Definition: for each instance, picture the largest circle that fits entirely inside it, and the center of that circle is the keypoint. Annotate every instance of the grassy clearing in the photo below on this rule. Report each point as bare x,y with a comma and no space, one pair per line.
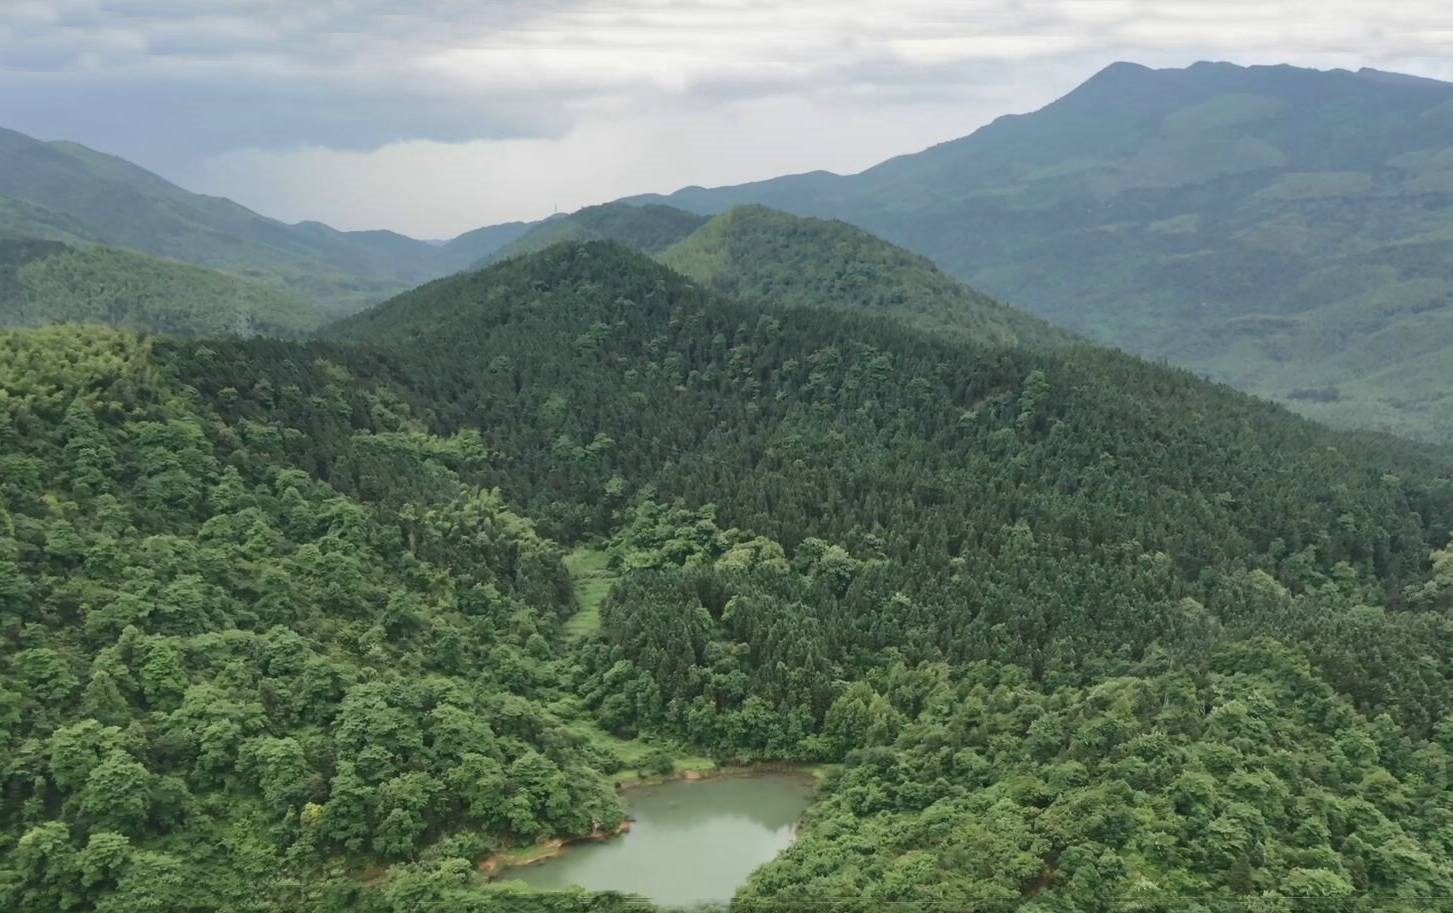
592,578
634,752
822,771
526,855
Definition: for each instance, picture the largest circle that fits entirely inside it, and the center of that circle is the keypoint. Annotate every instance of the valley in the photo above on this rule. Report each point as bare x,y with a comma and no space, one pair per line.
312,594
749,549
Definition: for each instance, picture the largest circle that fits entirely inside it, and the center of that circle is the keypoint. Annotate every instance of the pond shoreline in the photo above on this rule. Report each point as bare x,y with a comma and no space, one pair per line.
493,865
496,864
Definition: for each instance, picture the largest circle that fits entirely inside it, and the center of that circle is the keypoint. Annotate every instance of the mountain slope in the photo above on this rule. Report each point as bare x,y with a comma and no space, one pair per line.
646,228
44,282
120,204
752,253
21,221
472,247
1256,224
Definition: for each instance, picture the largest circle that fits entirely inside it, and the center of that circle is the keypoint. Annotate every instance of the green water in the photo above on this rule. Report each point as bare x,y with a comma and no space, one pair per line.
689,842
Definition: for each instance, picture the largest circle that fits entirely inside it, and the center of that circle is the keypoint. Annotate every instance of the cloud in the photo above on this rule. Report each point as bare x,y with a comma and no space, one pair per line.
155,118
246,95
360,74
432,189
173,79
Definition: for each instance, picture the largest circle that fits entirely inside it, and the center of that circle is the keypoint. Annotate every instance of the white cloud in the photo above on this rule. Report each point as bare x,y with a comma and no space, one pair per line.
378,112
435,189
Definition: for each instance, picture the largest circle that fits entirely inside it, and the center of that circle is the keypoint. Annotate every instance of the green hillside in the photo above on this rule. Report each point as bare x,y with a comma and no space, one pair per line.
285,626
947,525
752,253
21,221
1280,229
64,191
646,228
44,282
490,345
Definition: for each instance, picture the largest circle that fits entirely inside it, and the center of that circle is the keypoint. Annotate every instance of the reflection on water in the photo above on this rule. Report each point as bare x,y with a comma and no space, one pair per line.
690,842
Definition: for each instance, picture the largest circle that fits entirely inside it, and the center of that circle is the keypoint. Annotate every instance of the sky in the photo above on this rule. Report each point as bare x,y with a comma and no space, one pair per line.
432,117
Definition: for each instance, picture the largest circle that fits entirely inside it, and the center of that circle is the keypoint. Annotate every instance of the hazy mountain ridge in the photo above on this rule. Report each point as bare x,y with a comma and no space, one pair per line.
66,191
1283,230
648,228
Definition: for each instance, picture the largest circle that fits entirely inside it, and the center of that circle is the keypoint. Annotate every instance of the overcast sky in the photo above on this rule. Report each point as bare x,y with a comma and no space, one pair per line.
435,116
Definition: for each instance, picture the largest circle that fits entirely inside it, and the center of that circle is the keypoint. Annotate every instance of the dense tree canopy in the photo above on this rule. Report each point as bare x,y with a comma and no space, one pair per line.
282,622
752,253
44,282
217,667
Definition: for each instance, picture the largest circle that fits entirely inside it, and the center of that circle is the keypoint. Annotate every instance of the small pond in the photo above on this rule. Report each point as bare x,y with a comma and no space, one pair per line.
689,842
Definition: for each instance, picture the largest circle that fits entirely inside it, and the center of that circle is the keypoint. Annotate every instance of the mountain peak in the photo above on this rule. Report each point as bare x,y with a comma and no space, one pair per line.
1121,69
572,274
1225,75
756,253
1125,72
1403,79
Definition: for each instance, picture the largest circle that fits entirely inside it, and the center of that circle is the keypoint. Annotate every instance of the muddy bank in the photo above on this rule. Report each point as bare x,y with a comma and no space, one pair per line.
543,851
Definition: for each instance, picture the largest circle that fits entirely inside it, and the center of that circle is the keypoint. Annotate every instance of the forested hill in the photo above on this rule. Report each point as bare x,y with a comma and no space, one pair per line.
1282,229
594,371
226,686
548,352
1022,559
752,253
43,282
646,228
281,624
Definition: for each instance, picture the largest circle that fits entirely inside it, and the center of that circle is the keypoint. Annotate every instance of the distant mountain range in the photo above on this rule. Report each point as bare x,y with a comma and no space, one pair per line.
358,621
1287,231
66,192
